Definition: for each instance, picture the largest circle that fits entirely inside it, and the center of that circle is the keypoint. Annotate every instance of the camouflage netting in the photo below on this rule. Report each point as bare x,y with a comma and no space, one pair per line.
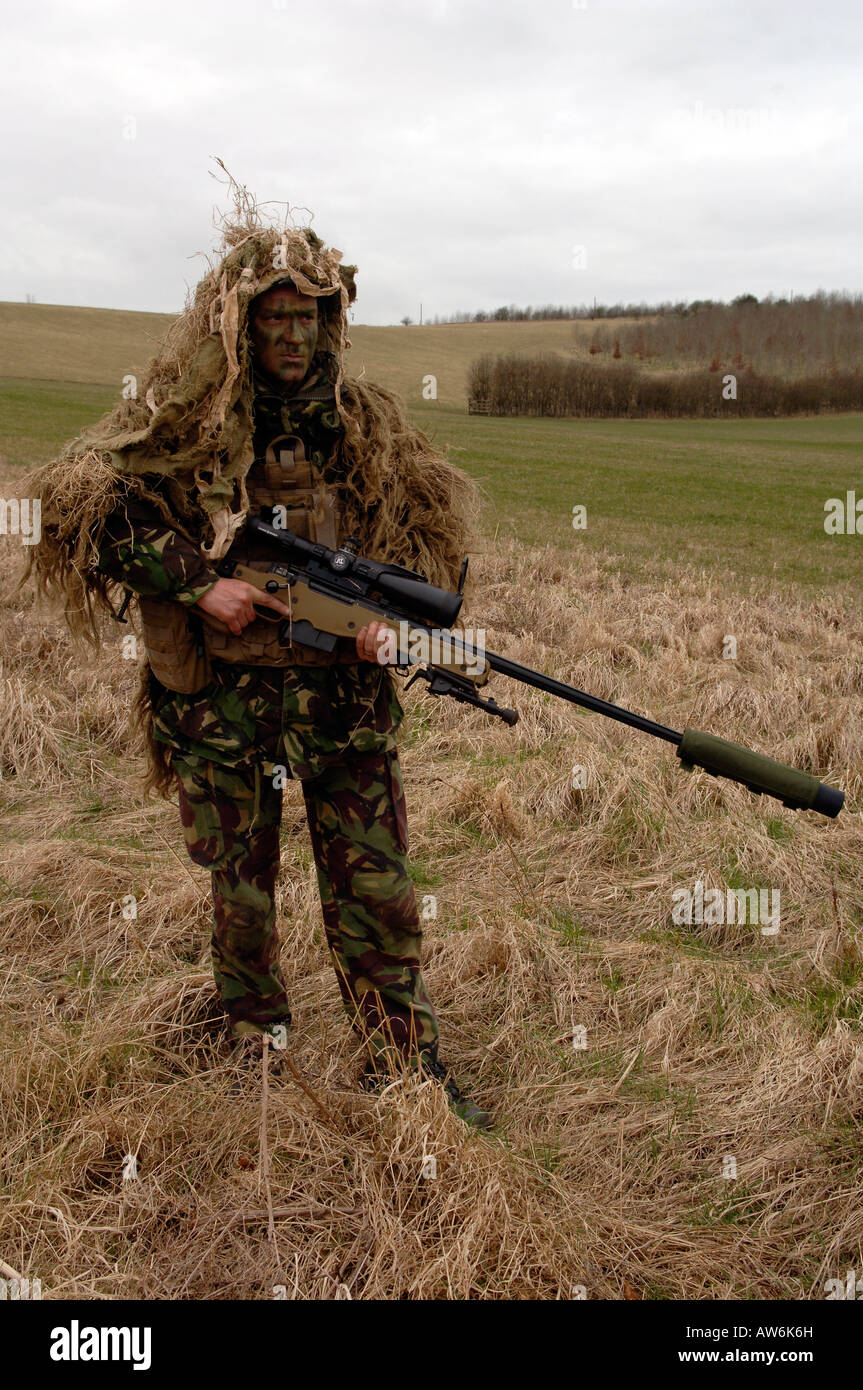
185,443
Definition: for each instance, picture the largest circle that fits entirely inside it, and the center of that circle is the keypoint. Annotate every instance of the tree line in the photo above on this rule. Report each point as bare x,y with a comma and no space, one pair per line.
789,337
669,315
552,385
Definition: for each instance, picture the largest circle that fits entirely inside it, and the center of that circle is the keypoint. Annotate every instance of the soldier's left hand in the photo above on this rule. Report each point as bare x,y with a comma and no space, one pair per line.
373,643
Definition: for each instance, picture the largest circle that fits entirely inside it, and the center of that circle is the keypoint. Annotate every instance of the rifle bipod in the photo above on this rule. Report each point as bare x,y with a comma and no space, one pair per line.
460,688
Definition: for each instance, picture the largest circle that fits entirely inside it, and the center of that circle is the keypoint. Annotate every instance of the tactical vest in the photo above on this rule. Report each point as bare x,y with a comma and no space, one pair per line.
181,643
285,478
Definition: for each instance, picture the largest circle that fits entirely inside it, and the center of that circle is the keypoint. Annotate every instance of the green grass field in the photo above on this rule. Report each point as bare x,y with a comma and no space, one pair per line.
745,497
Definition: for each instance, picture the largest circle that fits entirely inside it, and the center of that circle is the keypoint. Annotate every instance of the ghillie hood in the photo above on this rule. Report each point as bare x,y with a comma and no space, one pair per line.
185,443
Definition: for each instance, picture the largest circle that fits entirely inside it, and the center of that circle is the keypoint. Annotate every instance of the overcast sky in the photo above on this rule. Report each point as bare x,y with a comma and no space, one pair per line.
464,153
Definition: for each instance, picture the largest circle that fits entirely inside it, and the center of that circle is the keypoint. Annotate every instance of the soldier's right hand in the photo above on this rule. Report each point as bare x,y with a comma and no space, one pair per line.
232,602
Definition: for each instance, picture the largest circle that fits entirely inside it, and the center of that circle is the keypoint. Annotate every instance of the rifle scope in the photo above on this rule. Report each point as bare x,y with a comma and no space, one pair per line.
405,589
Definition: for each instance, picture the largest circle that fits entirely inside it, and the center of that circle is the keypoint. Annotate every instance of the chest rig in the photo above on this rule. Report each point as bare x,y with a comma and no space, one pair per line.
180,643
287,478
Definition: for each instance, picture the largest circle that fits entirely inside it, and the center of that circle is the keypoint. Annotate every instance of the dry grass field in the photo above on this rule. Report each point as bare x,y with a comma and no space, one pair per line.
553,913
610,1169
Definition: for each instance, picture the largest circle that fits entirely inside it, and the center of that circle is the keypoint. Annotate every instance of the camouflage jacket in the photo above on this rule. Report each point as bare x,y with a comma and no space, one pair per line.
301,718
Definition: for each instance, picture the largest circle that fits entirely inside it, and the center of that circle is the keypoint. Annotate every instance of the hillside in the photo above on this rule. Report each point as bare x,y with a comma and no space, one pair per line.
51,342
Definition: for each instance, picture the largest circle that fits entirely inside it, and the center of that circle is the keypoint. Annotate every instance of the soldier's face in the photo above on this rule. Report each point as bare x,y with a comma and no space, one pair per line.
284,332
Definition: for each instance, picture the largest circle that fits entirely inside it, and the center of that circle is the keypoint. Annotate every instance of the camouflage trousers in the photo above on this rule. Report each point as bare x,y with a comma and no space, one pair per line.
356,814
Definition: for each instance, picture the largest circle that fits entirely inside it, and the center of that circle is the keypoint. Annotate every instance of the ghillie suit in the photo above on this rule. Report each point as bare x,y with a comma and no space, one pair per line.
152,498
184,445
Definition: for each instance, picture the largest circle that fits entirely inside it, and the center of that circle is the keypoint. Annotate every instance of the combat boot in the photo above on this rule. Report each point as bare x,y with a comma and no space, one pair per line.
244,1029
247,1046
458,1103
374,1078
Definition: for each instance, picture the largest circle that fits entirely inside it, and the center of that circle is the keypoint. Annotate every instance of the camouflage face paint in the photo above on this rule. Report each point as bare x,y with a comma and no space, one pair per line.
284,332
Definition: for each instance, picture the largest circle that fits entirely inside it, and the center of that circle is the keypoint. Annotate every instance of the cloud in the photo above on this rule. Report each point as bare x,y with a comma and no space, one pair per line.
458,152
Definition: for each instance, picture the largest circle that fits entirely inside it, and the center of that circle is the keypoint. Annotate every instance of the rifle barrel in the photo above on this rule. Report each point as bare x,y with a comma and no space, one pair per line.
721,758
527,676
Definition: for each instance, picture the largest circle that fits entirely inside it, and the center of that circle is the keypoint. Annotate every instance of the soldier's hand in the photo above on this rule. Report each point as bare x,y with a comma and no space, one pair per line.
370,642
232,602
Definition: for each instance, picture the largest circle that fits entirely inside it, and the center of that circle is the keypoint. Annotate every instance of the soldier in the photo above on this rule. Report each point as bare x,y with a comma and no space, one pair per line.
247,407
